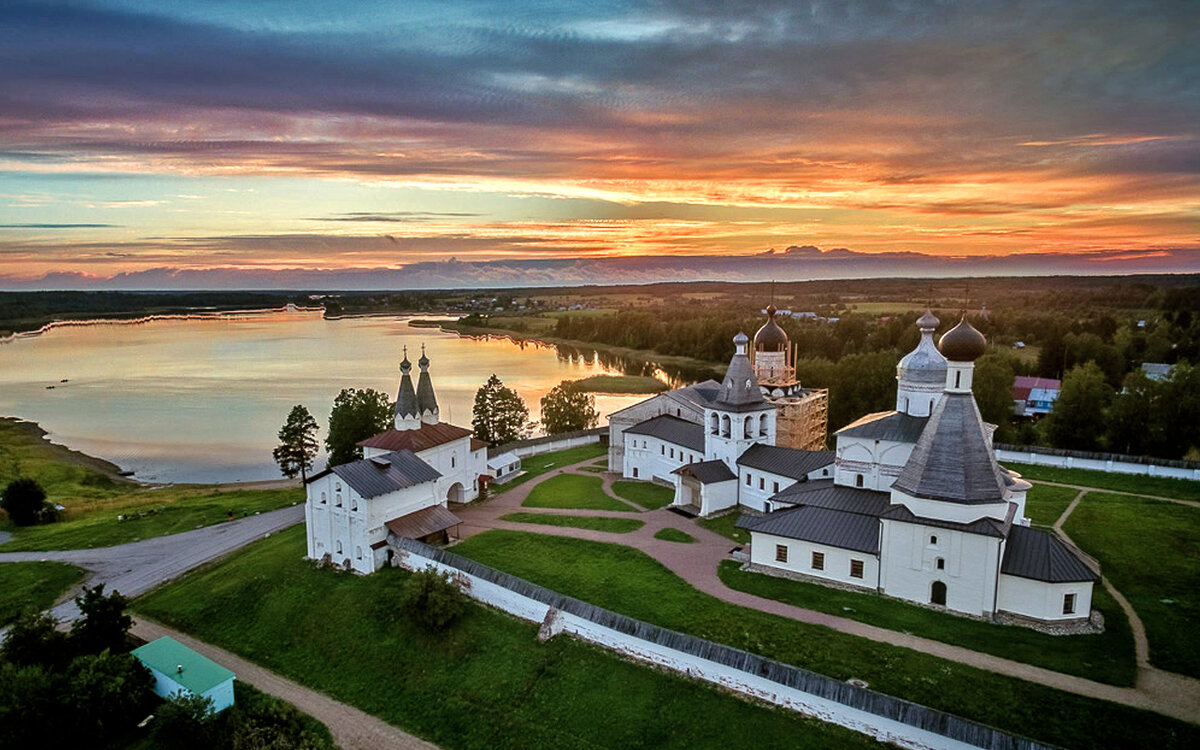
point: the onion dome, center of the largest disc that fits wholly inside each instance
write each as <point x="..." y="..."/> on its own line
<point x="963" y="343"/>
<point x="426" y="400"/>
<point x="406" y="399"/>
<point x="924" y="364"/>
<point x="770" y="338"/>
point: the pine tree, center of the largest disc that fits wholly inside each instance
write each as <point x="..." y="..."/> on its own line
<point x="297" y="447"/>
<point x="356" y="416"/>
<point x="500" y="414"/>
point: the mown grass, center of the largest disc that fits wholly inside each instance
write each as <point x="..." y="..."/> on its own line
<point x="485" y="683"/>
<point x="535" y="466"/>
<point x="94" y="497"/>
<point x="1150" y="550"/>
<point x="723" y="525"/>
<point x="595" y="523"/>
<point x="1180" y="489"/>
<point x="627" y="581"/>
<point x="1044" y="503"/>
<point x="673" y="535"/>
<point x="1104" y="657"/>
<point x="36" y="585"/>
<point x="573" y="491"/>
<point x="621" y="384"/>
<point x="647" y="495"/>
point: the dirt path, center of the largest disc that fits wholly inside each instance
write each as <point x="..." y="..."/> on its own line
<point x="1082" y="488"/>
<point x="1173" y="695"/>
<point x="351" y="728"/>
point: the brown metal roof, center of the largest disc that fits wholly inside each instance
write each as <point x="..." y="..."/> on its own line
<point x="427" y="436"/>
<point x="422" y="523"/>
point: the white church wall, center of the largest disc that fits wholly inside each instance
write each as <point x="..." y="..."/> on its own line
<point x="1044" y="601"/>
<point x="729" y="444"/>
<point x="835" y="562"/>
<point x="756" y="485"/>
<point x="877" y="462"/>
<point x="909" y="554"/>
<point x="718" y="496"/>
<point x="946" y="511"/>
<point x="620" y="421"/>
<point x="648" y="458"/>
<point x="458" y="464"/>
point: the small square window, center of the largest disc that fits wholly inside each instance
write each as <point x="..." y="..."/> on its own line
<point x="1069" y="604"/>
<point x="775" y="487"/>
<point x="747" y="480"/>
<point x="818" y="561"/>
<point x="856" y="568"/>
<point x="933" y="540"/>
<point x="762" y="483"/>
<point x="635" y="472"/>
<point x="941" y="563"/>
<point x="780" y="553"/>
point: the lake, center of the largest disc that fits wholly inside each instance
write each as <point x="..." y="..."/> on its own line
<point x="201" y="400"/>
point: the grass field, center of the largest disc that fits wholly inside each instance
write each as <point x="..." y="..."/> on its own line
<point x="1150" y="550"/>
<point x="1045" y="503"/>
<point x="94" y="497"/>
<point x="573" y="491"/>
<point x="627" y="581"/>
<point x="673" y="535"/>
<point x="621" y="384"/>
<point x="486" y="683"/>
<point x="1181" y="489"/>
<point x="647" y="495"/>
<point x="33" y="584"/>
<point x="595" y="523"/>
<point x="1106" y="657"/>
<point x="723" y="525"/>
<point x="535" y="466"/>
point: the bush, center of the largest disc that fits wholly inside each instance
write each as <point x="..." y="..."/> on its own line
<point x="35" y="640"/>
<point x="432" y="600"/>
<point x="185" y="721"/>
<point x="25" y="502"/>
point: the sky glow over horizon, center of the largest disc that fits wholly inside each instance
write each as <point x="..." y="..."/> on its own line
<point x="259" y="135"/>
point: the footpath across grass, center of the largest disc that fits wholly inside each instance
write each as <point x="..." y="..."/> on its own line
<point x="647" y="495"/>
<point x="33" y="584"/>
<point x="627" y="581"/>
<point x="1180" y="489"/>
<point x="1044" y="503"/>
<point x="1150" y="550"/>
<point x="595" y="523"/>
<point x="485" y="683"/>
<point x="535" y="466"/>
<point x="573" y="491"/>
<point x="1106" y="657"/>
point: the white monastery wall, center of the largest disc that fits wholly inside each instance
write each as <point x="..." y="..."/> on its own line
<point x="836" y="562"/>
<point x="1041" y="600"/>
<point x="1113" y="466"/>
<point x="458" y="464"/>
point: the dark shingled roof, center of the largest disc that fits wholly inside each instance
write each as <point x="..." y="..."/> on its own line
<point x="739" y="389"/>
<point x="1043" y="556"/>
<point x="953" y="461"/>
<point x="406" y="398"/>
<point x="372" y="477"/>
<point x="707" y="472"/>
<point x="426" y="399"/>
<point x="422" y="523"/>
<point x="985" y="526"/>
<point x="422" y="438"/>
<point x="895" y="426"/>
<point x="823" y="493"/>
<point x="672" y="429"/>
<point x="701" y="394"/>
<point x="853" y="531"/>
<point x="795" y="463"/>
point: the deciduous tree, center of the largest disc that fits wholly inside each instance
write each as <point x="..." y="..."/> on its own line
<point x="1077" y="420"/>
<point x="297" y="443"/>
<point x="25" y="501"/>
<point x="500" y="414"/>
<point x="992" y="386"/>
<point x="566" y="408"/>
<point x="431" y="599"/>
<point x="356" y="416"/>
<point x="104" y="624"/>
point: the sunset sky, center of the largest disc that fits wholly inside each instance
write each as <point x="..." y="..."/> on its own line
<point x="248" y="137"/>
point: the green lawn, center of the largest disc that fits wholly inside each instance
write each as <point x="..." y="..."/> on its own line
<point x="595" y="523"/>
<point x="535" y="466"/>
<point x="621" y="384"/>
<point x="94" y="497"/>
<point x="627" y="581"/>
<point x="1045" y="503"/>
<point x="723" y="525"/>
<point x="33" y="584"/>
<point x="486" y="683"/>
<point x="673" y="535"/>
<point x="573" y="491"/>
<point x="1106" y="657"/>
<point x="1150" y="550"/>
<point x="1182" y="489"/>
<point x="649" y="496"/>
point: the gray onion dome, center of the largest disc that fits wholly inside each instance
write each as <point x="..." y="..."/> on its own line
<point x="963" y="343"/>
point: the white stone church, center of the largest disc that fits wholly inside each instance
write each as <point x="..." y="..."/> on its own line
<point x="401" y="487"/>
<point x="912" y="503"/>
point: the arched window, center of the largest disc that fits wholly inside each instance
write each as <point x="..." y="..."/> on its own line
<point x="937" y="593"/>
<point x="338" y="498"/>
<point x="358" y="553"/>
<point x="858" y="480"/>
<point x="940" y="563"/>
<point x="354" y="502"/>
<point x="958" y="379"/>
<point x="339" y="547"/>
<point x="323" y="499"/>
<point x="762" y="425"/>
<point x="748" y="428"/>
<point x="453" y="460"/>
<point x="338" y="486"/>
<point x="724" y="425"/>
<point x="932" y="539"/>
<point x="716" y="423"/>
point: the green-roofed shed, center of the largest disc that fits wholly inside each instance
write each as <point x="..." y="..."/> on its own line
<point x="178" y="669"/>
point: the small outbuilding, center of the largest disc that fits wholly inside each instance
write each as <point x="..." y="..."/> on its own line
<point x="504" y="466"/>
<point x="178" y="669"/>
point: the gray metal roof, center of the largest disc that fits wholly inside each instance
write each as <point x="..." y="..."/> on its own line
<point x="984" y="526"/>
<point x="895" y="426"/>
<point x="398" y="470"/>
<point x="426" y="400"/>
<point x="823" y="493"/>
<point x="953" y="460"/>
<point x="795" y="463"/>
<point x="699" y="395"/>
<point x="673" y="430"/>
<point x="707" y="472"/>
<point x="739" y="388"/>
<point x="1043" y="556"/>
<point x="853" y="531"/>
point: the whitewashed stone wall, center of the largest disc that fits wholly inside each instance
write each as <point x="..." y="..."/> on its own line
<point x="1114" y="466"/>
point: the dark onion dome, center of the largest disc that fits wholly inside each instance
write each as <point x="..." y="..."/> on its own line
<point x="770" y="338"/>
<point x="963" y="343"/>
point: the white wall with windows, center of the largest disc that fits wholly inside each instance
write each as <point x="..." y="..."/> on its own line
<point x="870" y="464"/>
<point x="818" y="560"/>
<point x="648" y="458"/>
<point x="1045" y="601"/>
<point x="926" y="564"/>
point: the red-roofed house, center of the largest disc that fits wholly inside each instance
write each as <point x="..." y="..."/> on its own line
<point x="1034" y="396"/>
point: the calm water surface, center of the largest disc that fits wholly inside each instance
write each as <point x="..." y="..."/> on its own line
<point x="202" y="400"/>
